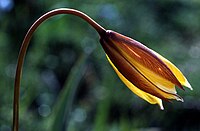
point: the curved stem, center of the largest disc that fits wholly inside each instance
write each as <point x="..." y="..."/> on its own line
<point x="25" y="44"/>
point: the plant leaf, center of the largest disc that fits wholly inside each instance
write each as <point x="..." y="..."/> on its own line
<point x="62" y="107"/>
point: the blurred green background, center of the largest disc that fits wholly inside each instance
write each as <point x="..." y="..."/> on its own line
<point x="65" y="56"/>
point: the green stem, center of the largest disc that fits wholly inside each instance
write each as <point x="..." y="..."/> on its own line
<point x="25" y="45"/>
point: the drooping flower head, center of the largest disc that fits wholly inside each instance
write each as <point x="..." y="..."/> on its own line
<point x="143" y="71"/>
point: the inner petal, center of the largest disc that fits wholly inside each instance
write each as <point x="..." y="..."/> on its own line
<point x="175" y="70"/>
<point x="156" y="79"/>
<point x="146" y="96"/>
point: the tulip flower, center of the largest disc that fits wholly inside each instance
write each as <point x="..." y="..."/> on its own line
<point x="143" y="71"/>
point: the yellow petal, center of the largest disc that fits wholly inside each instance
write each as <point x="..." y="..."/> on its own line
<point x="135" y="76"/>
<point x="146" y="96"/>
<point x="141" y="54"/>
<point x="175" y="70"/>
<point x="156" y="79"/>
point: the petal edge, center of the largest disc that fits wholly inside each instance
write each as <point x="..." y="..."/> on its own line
<point x="175" y="70"/>
<point x="146" y="96"/>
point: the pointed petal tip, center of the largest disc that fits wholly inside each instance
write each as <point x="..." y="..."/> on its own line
<point x="187" y="84"/>
<point x="160" y="104"/>
<point x="161" y="107"/>
<point x="180" y="99"/>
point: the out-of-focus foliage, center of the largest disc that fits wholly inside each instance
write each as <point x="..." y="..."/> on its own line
<point x="102" y="102"/>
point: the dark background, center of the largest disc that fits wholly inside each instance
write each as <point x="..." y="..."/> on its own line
<point x="102" y="102"/>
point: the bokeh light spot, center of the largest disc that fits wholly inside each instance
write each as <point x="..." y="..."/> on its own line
<point x="6" y="5"/>
<point x="44" y="110"/>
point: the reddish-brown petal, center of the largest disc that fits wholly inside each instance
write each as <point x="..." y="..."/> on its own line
<point x="144" y="95"/>
<point x="140" y="53"/>
<point x="133" y="75"/>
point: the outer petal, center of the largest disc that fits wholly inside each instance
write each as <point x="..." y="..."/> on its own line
<point x="142" y="54"/>
<point x="134" y="76"/>
<point x="175" y="70"/>
<point x="146" y="96"/>
<point x="156" y="79"/>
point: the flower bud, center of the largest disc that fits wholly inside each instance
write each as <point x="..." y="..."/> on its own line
<point x="145" y="72"/>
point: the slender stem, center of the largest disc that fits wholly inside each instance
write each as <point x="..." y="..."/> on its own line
<point x="25" y="44"/>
